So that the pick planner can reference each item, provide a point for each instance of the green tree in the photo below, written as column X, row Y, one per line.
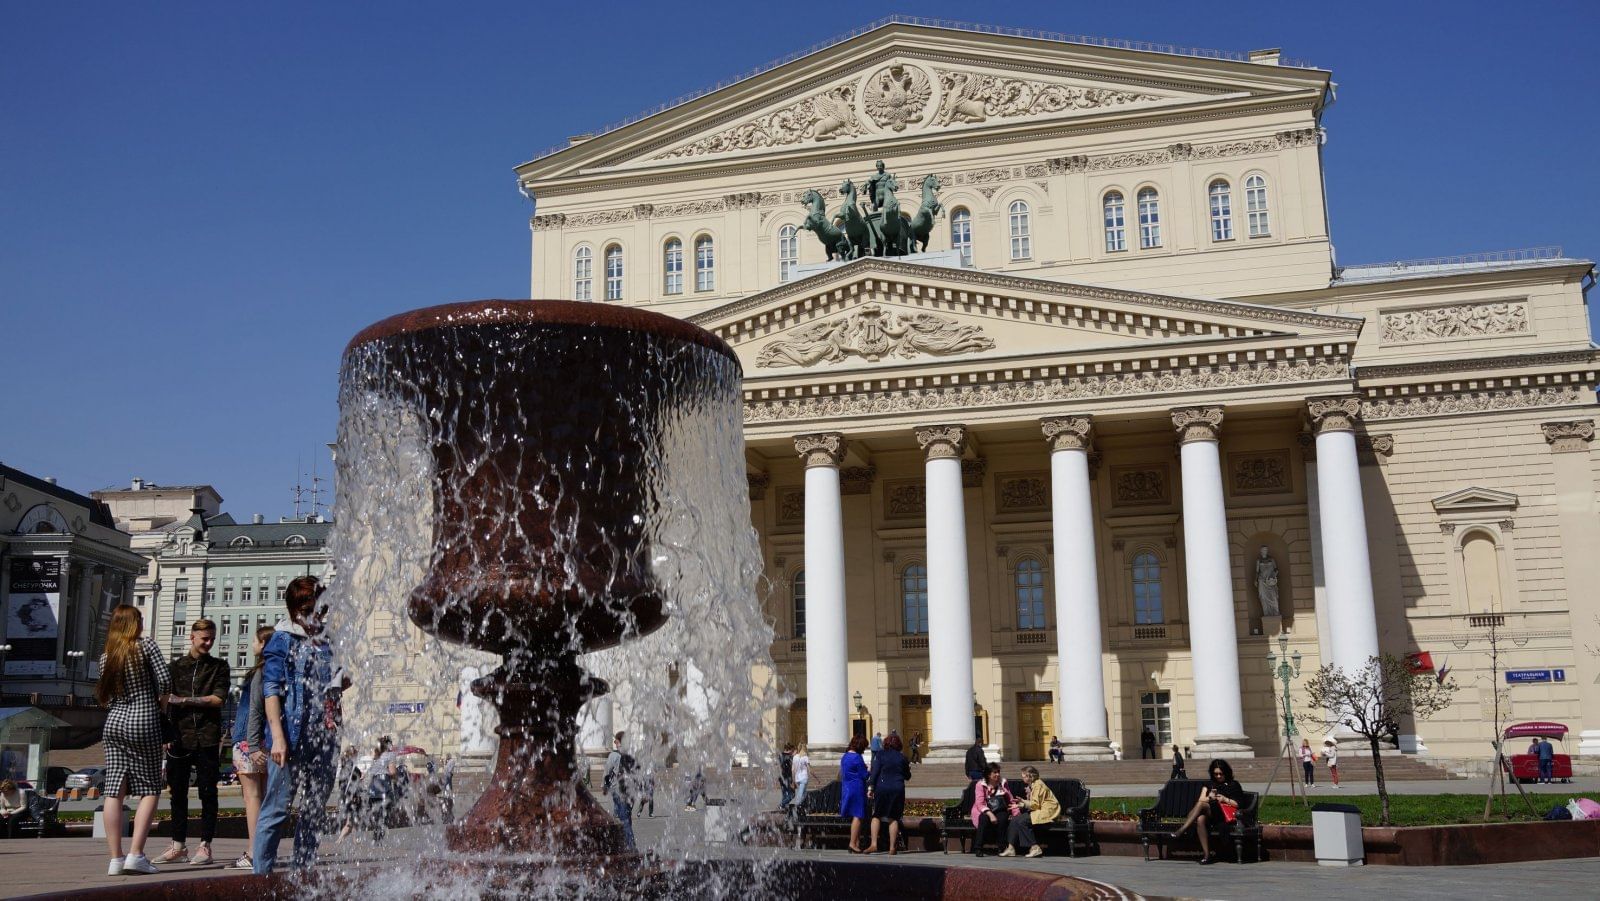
column 1370, row 703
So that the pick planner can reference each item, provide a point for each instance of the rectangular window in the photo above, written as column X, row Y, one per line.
column 705, row 273
column 241, row 658
column 1021, row 241
column 961, row 236
column 1116, row 226
column 261, row 620
column 245, row 593
column 227, row 592
column 180, row 592
column 1255, row 205
column 1221, row 216
column 179, row 630
column 1149, row 221
column 227, row 625
column 211, row 592
column 674, row 268
column 1155, row 714
column 282, row 591
column 613, row 273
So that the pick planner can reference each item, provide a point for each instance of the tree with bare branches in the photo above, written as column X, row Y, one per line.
column 1371, row 702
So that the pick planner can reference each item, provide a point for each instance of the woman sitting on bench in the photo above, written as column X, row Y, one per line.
column 1218, row 803
column 992, row 807
column 1040, row 806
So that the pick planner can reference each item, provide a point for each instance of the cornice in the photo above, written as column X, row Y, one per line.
column 1482, row 400
column 895, row 270
column 1587, row 357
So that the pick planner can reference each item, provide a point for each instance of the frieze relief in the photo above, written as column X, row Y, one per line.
column 1135, row 486
column 1023, row 492
column 905, row 500
column 820, row 117
column 874, row 333
column 1474, row 402
column 1456, row 321
column 970, row 97
column 792, row 506
column 1260, row 473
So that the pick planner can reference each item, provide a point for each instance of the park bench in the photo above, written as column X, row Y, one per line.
column 1172, row 807
column 41, row 818
column 819, row 814
column 1073, row 824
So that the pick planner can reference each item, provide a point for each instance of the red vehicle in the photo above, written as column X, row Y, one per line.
column 1525, row 766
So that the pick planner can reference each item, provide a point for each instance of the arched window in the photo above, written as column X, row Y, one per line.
column 1255, row 206
column 1221, row 211
column 1116, row 223
column 672, row 267
column 797, row 591
column 583, row 273
column 961, row 234
column 705, row 264
column 1149, row 218
column 914, row 598
column 613, row 273
column 1021, row 241
column 1029, row 582
column 788, row 252
column 1147, row 589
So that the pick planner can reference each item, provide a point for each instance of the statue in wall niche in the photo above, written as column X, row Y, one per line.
column 1267, row 583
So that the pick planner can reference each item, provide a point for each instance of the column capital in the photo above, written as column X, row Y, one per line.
column 1197, row 423
column 1334, row 414
column 1572, row 435
column 1067, row 432
column 820, row 448
column 942, row 441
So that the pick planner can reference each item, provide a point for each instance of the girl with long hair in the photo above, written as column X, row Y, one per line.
column 249, row 745
column 133, row 674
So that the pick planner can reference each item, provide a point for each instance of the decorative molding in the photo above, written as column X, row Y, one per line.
column 972, row 472
column 943, row 442
column 1334, row 414
column 907, row 499
column 547, row 221
column 1572, row 436
column 1141, row 485
column 1061, row 165
column 1474, row 402
column 1521, row 361
column 1197, row 423
column 791, row 506
column 888, row 555
column 1259, row 472
column 1001, row 550
column 873, row 333
column 1467, row 320
column 897, row 95
column 1022, row 492
column 1448, row 528
column 857, row 479
column 820, row 448
column 1067, row 432
column 969, row 97
column 758, row 482
column 821, row 117
column 1381, row 447
column 1118, row 545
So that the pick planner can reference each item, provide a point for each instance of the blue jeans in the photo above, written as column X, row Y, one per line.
column 786, row 796
column 1547, row 771
column 623, row 809
column 308, row 775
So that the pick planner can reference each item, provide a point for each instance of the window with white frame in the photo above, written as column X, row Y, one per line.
column 246, row 592
column 788, row 252
column 914, row 599
column 1155, row 714
column 227, row 592
column 1149, row 218
column 1021, row 239
column 583, row 273
column 1028, row 581
column 613, row 272
column 672, row 267
column 705, row 264
column 211, row 592
column 961, row 234
column 1147, row 589
column 1116, row 223
column 1255, row 206
column 797, row 591
column 1221, row 211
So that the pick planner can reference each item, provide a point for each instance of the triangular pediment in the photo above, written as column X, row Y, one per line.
column 910, row 83
column 879, row 312
column 1474, row 500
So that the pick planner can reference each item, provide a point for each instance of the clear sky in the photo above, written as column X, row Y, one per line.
column 200, row 203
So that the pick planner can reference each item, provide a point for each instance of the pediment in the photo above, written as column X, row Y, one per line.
column 1475, row 500
column 906, row 82
column 879, row 312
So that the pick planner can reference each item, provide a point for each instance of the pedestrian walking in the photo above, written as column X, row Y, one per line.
column 1330, row 755
column 977, row 762
column 133, row 677
column 647, row 792
column 786, row 777
column 301, row 693
column 1040, row 806
column 916, row 748
column 876, row 746
column 1147, row 744
column 1308, row 762
column 349, row 789
column 249, row 746
column 853, row 789
column 618, row 783
column 992, row 806
column 1177, row 764
column 802, row 777
column 886, row 789
column 196, row 715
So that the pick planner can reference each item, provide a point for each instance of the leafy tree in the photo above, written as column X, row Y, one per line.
column 1371, row 702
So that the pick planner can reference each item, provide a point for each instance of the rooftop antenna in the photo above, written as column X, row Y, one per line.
column 316, row 492
column 299, row 490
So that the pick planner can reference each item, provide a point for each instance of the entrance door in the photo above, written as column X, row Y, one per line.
column 1035, row 714
column 797, row 723
column 1155, row 714
column 916, row 715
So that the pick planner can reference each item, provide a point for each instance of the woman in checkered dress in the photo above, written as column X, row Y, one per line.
column 133, row 676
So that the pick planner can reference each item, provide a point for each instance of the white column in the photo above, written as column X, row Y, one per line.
column 596, row 727
column 1080, row 669
column 827, row 711
column 1213, row 628
column 1347, row 568
column 478, row 719
column 949, row 601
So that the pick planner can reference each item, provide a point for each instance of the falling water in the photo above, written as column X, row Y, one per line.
column 487, row 398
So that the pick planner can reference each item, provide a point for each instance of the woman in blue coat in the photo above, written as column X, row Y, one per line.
column 886, row 786
column 853, row 790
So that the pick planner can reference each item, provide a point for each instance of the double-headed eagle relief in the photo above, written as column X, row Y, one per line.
column 873, row 333
column 876, row 226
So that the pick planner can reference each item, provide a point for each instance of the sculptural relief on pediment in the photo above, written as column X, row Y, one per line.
column 873, row 333
column 820, row 117
column 975, row 97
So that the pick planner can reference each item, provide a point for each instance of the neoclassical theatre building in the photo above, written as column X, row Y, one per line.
column 1120, row 421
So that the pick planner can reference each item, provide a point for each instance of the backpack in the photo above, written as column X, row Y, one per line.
column 1559, row 812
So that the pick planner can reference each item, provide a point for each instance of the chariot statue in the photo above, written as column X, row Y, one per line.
column 875, row 226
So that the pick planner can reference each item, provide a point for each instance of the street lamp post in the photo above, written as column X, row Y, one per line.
column 5, row 649
column 76, row 657
column 1286, row 667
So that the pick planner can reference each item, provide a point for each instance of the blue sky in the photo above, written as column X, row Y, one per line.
column 200, row 203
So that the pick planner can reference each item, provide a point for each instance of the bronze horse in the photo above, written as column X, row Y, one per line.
column 834, row 241
column 864, row 239
column 921, row 225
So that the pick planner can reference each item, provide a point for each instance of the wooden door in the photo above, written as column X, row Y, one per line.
column 1035, row 713
column 797, row 724
column 916, row 715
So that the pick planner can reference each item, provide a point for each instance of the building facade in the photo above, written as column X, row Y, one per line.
column 1076, row 470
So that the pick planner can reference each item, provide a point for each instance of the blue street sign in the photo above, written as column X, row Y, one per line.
column 407, row 706
column 1521, row 676
column 1561, row 675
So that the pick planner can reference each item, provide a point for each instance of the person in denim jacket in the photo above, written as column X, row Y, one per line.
column 300, row 689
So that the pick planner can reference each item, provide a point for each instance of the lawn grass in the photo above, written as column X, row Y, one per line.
column 1404, row 810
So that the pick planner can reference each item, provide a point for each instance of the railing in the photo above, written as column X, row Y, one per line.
column 1486, row 620
column 1517, row 255
column 950, row 24
column 1148, row 633
column 1031, row 637
column 798, row 646
column 913, row 642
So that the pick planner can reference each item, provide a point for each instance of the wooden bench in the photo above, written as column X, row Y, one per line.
column 41, row 817
column 819, row 814
column 1177, row 798
column 1074, row 823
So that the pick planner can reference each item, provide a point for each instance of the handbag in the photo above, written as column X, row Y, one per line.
column 1229, row 812
column 169, row 728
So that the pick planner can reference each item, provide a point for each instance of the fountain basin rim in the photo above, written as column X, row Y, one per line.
column 570, row 313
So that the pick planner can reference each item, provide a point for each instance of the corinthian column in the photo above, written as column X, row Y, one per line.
column 1213, row 631
column 1347, row 567
column 949, row 603
column 1080, row 671
column 827, row 712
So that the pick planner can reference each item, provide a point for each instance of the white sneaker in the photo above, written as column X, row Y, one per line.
column 1008, row 851
column 115, row 867
column 174, row 852
column 1036, row 851
column 138, row 863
